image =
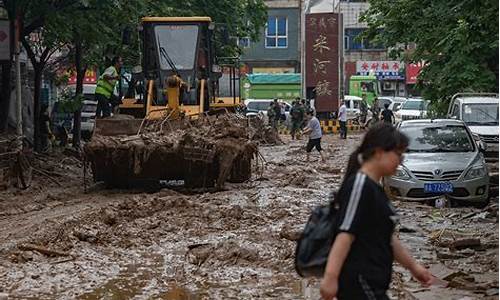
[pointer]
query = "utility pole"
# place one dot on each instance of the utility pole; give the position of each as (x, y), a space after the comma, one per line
(19, 114)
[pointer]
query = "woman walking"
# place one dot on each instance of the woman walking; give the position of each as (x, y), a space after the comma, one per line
(360, 260)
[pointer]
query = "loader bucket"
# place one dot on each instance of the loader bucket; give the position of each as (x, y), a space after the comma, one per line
(117, 126)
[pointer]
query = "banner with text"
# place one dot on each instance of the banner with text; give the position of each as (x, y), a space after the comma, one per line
(384, 70)
(322, 59)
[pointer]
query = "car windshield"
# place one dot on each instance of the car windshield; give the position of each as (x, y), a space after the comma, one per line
(179, 43)
(480, 114)
(438, 139)
(415, 105)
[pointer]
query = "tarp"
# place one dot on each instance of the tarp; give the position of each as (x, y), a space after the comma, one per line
(266, 78)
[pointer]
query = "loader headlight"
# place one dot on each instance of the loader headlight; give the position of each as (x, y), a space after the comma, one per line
(401, 173)
(476, 172)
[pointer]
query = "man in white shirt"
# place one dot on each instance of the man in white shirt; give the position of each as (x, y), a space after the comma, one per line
(313, 128)
(343, 120)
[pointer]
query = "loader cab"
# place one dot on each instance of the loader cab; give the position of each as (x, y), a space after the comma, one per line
(181, 46)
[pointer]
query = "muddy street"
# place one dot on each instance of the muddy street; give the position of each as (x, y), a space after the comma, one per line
(60, 242)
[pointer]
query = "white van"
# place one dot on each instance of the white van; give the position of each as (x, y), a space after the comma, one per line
(353, 106)
(256, 106)
(480, 112)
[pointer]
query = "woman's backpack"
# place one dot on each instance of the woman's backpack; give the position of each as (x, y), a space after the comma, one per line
(313, 246)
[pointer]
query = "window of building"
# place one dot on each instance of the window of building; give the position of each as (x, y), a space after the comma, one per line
(277, 32)
(244, 42)
(352, 42)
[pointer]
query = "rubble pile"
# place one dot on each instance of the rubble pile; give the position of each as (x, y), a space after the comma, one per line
(15, 169)
(204, 152)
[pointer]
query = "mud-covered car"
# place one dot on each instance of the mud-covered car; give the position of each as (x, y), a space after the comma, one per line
(442, 159)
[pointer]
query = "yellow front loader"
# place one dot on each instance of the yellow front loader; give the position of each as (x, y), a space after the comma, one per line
(179, 78)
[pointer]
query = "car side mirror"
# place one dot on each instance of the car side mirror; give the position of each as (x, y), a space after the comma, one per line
(482, 146)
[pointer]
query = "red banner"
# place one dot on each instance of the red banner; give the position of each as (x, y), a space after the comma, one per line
(322, 59)
(412, 71)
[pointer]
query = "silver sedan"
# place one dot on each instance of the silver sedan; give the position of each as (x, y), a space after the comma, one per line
(442, 160)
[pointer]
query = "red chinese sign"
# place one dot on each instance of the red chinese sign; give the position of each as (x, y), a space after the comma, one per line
(90, 77)
(322, 59)
(412, 71)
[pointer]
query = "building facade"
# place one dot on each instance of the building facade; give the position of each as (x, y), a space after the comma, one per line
(278, 49)
(362, 57)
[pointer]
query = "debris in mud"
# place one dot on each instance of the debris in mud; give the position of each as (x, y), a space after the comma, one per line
(223, 253)
(299, 179)
(43, 250)
(15, 168)
(204, 152)
(465, 243)
(108, 216)
(263, 133)
(86, 234)
(290, 233)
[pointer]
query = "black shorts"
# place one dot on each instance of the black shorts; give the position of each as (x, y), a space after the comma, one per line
(313, 143)
(360, 289)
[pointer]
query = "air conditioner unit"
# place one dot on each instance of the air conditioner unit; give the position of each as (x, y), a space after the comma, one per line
(389, 85)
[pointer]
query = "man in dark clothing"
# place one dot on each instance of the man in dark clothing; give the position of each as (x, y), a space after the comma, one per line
(387, 115)
(297, 113)
(277, 111)
(271, 116)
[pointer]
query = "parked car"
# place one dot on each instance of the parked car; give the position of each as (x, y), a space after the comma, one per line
(397, 103)
(260, 106)
(88, 118)
(412, 108)
(442, 159)
(480, 113)
(394, 102)
(382, 100)
(353, 105)
(88, 109)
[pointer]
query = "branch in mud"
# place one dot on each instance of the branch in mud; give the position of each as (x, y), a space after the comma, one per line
(43, 250)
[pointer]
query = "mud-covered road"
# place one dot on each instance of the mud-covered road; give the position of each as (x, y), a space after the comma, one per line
(235, 244)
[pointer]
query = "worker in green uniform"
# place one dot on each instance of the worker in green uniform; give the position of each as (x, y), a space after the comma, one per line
(271, 116)
(297, 113)
(106, 86)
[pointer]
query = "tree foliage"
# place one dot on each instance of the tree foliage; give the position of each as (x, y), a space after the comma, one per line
(457, 40)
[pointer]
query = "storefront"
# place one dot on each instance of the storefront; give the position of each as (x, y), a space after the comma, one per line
(390, 73)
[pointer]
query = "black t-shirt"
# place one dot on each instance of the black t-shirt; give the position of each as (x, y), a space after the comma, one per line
(365, 212)
(387, 115)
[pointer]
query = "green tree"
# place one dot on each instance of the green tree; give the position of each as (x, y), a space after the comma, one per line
(457, 40)
(31, 16)
(91, 30)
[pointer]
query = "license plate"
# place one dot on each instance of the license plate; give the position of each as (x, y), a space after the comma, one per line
(438, 187)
